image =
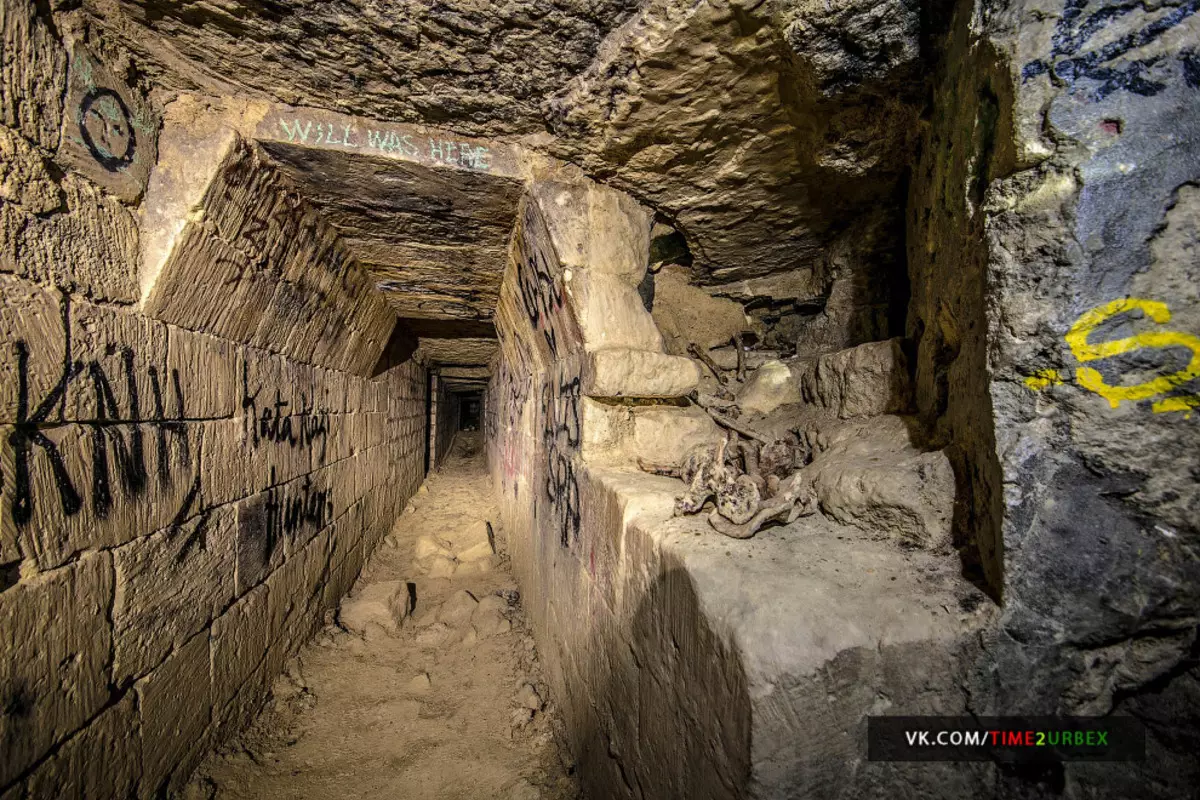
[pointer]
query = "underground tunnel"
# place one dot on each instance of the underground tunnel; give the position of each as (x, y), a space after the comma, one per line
(632, 399)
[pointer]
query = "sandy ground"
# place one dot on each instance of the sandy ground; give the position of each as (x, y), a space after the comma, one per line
(442, 699)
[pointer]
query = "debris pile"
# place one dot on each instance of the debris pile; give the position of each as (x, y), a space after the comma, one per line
(824, 433)
(753, 477)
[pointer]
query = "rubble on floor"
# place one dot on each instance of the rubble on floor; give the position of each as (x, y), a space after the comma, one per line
(428, 668)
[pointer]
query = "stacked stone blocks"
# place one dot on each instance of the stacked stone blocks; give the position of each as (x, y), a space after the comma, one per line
(178, 512)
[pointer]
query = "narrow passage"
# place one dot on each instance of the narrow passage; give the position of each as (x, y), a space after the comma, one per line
(432, 700)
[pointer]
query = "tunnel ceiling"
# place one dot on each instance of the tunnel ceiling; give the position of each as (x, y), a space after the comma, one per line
(481, 67)
(433, 240)
(761, 130)
(462, 352)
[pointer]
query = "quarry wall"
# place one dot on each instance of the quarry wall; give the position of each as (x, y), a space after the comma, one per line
(189, 479)
(178, 514)
(575, 340)
(1052, 248)
(445, 416)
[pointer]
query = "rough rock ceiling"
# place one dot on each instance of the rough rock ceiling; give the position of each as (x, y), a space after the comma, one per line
(760, 128)
(457, 352)
(435, 241)
(478, 66)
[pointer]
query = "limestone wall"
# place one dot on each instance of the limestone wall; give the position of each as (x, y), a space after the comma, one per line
(179, 503)
(1053, 245)
(653, 697)
(686, 663)
(445, 413)
(178, 513)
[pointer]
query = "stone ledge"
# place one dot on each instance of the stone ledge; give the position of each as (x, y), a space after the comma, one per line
(638, 373)
(763, 633)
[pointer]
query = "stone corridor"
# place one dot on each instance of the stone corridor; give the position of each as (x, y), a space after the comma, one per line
(613, 399)
(425, 685)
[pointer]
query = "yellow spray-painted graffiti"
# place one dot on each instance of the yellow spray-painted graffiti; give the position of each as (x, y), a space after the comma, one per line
(1091, 379)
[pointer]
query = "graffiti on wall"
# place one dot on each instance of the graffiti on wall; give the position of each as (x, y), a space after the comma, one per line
(1084, 47)
(541, 297)
(119, 453)
(292, 508)
(1085, 351)
(390, 140)
(305, 427)
(561, 437)
(108, 132)
(540, 284)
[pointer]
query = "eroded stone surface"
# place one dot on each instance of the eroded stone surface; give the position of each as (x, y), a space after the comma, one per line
(638, 373)
(866, 380)
(688, 315)
(1050, 248)
(33, 76)
(870, 476)
(748, 121)
(57, 646)
(479, 66)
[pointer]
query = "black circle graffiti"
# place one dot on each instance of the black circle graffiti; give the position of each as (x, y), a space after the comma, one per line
(106, 109)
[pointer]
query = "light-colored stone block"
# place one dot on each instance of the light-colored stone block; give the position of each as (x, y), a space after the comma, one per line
(593, 227)
(869, 475)
(33, 328)
(175, 707)
(663, 435)
(767, 388)
(169, 586)
(382, 605)
(191, 148)
(208, 285)
(638, 373)
(610, 313)
(296, 601)
(56, 643)
(228, 470)
(102, 760)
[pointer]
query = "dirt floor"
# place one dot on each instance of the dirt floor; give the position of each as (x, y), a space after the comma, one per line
(438, 699)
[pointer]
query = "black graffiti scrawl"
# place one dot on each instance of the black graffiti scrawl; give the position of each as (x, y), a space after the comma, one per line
(540, 284)
(1077, 52)
(305, 427)
(106, 128)
(561, 437)
(119, 452)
